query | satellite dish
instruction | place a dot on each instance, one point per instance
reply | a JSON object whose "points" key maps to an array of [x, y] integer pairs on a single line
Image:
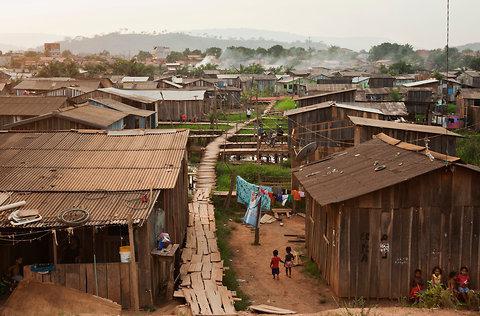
{"points": [[307, 150]]}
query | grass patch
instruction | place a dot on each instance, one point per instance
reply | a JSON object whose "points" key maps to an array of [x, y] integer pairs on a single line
{"points": [[273, 122], [250, 172], [244, 131], [311, 269], [468, 148], [285, 104], [224, 232], [235, 117], [202, 127], [194, 157]]}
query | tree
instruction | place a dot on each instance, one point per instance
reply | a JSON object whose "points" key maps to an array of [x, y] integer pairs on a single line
{"points": [[468, 148], [174, 57], [391, 51], [472, 62], [401, 67], [276, 50], [67, 54], [214, 51], [132, 68], [58, 69], [143, 56]]}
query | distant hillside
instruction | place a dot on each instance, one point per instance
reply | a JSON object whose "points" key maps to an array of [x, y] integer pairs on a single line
{"points": [[130, 44], [7, 47], [23, 41], [472, 46], [354, 43]]}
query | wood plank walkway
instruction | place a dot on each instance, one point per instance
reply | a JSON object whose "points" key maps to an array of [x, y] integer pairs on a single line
{"points": [[202, 268]]}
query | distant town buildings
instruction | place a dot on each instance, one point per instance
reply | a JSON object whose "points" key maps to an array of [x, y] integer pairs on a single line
{"points": [[52, 49]]}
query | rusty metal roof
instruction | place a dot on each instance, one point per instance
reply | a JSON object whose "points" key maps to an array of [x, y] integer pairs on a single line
{"points": [[30, 106], [351, 173], [326, 94], [470, 93], [85, 161], [105, 208], [327, 104], [387, 108], [402, 126], [122, 107]]}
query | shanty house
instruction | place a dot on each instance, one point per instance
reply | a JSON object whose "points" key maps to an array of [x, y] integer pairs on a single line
{"points": [[380, 81], [83, 116], [62, 86], [468, 101], [15, 109], [87, 186], [325, 128], [136, 118], [338, 96], [380, 210], [470, 78]]}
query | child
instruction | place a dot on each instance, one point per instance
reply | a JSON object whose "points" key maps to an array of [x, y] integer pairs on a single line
{"points": [[463, 281], [452, 284], [289, 262], [436, 276], [275, 265], [416, 285]]}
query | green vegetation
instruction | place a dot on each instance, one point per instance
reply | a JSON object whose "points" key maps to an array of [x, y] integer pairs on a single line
{"points": [[250, 172], [234, 117], [132, 68], [58, 69], [272, 122], [438, 297], [311, 269], [244, 131], [285, 104], [451, 108], [193, 126], [468, 148], [224, 231], [393, 51]]}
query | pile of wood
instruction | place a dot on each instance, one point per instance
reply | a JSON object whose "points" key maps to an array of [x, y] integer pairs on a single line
{"points": [[202, 268]]}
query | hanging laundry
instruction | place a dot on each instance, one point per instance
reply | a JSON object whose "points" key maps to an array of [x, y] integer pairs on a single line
{"points": [[272, 197], [245, 189], [250, 217], [289, 198], [302, 194], [284, 199], [278, 197], [277, 191], [296, 195]]}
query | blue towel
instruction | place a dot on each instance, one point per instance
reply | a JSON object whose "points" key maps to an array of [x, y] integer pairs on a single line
{"points": [[250, 217], [244, 193]]}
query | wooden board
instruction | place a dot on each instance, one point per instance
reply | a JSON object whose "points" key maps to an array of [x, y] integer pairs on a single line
{"points": [[271, 310]]}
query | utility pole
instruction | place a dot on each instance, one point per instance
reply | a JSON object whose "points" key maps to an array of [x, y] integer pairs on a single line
{"points": [[134, 301], [257, 226]]}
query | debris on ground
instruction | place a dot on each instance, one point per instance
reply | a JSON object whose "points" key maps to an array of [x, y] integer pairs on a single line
{"points": [[267, 219], [267, 309]]}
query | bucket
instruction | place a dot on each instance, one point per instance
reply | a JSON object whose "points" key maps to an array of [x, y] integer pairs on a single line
{"points": [[124, 254]]}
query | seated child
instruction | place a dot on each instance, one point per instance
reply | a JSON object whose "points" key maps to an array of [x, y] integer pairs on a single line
{"points": [[463, 281], [451, 283], [416, 285], [436, 276]]}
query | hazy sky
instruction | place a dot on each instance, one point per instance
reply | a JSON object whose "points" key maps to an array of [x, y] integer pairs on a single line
{"points": [[421, 22]]}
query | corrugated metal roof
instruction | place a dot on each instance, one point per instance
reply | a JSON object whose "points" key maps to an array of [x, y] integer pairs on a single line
{"points": [[402, 126], [150, 96], [125, 108], [49, 84], [134, 79], [29, 105], [78, 161], [326, 94], [329, 87], [324, 105], [420, 83], [470, 93], [92, 115], [352, 173], [387, 108], [105, 208], [147, 85]]}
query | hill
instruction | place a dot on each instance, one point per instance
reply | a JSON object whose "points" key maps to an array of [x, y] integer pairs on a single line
{"points": [[472, 46], [130, 44]]}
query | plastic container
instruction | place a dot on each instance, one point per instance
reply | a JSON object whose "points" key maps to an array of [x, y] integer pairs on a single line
{"points": [[124, 254]]}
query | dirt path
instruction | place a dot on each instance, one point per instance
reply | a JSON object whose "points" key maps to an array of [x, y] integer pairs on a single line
{"points": [[301, 293]]}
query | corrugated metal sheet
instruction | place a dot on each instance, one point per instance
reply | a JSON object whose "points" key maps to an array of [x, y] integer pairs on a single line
{"points": [[105, 208], [387, 108], [470, 93], [92, 115], [134, 79], [125, 108], [150, 96], [48, 84], [352, 173], [402, 126], [324, 105], [30, 106], [90, 160], [420, 83]]}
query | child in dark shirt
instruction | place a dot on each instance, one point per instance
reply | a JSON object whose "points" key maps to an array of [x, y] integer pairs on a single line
{"points": [[289, 262], [275, 264]]}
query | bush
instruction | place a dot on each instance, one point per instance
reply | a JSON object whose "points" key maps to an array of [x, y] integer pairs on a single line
{"points": [[285, 104], [436, 296]]}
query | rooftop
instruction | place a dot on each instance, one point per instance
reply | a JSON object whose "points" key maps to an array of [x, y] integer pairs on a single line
{"points": [[420, 83], [150, 96], [353, 106], [349, 174], [29, 105], [125, 108]]}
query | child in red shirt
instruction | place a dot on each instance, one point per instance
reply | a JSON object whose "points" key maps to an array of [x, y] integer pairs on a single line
{"points": [[275, 265], [463, 281]]}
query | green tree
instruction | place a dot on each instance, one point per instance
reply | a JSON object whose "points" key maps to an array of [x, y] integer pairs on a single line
{"points": [[468, 148], [214, 51], [132, 68], [401, 67], [143, 56], [391, 51], [58, 69], [174, 57], [276, 50]]}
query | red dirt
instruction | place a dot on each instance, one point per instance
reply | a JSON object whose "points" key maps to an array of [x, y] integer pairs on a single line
{"points": [[34, 298], [300, 293]]}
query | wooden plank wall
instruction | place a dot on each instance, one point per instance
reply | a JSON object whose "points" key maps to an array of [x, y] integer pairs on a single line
{"points": [[428, 221], [171, 110], [113, 279], [52, 124]]}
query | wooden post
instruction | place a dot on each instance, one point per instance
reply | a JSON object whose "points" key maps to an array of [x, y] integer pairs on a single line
{"points": [[230, 190], [54, 245], [134, 301], [257, 227]]}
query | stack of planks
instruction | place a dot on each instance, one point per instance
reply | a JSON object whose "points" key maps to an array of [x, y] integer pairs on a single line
{"points": [[202, 267]]}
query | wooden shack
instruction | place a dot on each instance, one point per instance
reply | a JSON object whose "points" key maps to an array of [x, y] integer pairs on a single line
{"points": [[14, 109], [328, 126], [380, 210], [468, 101], [470, 78], [347, 95], [107, 178], [380, 81], [84, 116], [437, 138]]}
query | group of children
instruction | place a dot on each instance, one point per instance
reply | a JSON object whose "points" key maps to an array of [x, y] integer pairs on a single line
{"points": [[457, 283], [287, 262]]}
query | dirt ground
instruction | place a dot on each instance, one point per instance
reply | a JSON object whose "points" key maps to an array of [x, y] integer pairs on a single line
{"points": [[301, 293]]}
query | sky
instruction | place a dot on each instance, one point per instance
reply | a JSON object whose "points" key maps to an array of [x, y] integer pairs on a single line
{"points": [[420, 22]]}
